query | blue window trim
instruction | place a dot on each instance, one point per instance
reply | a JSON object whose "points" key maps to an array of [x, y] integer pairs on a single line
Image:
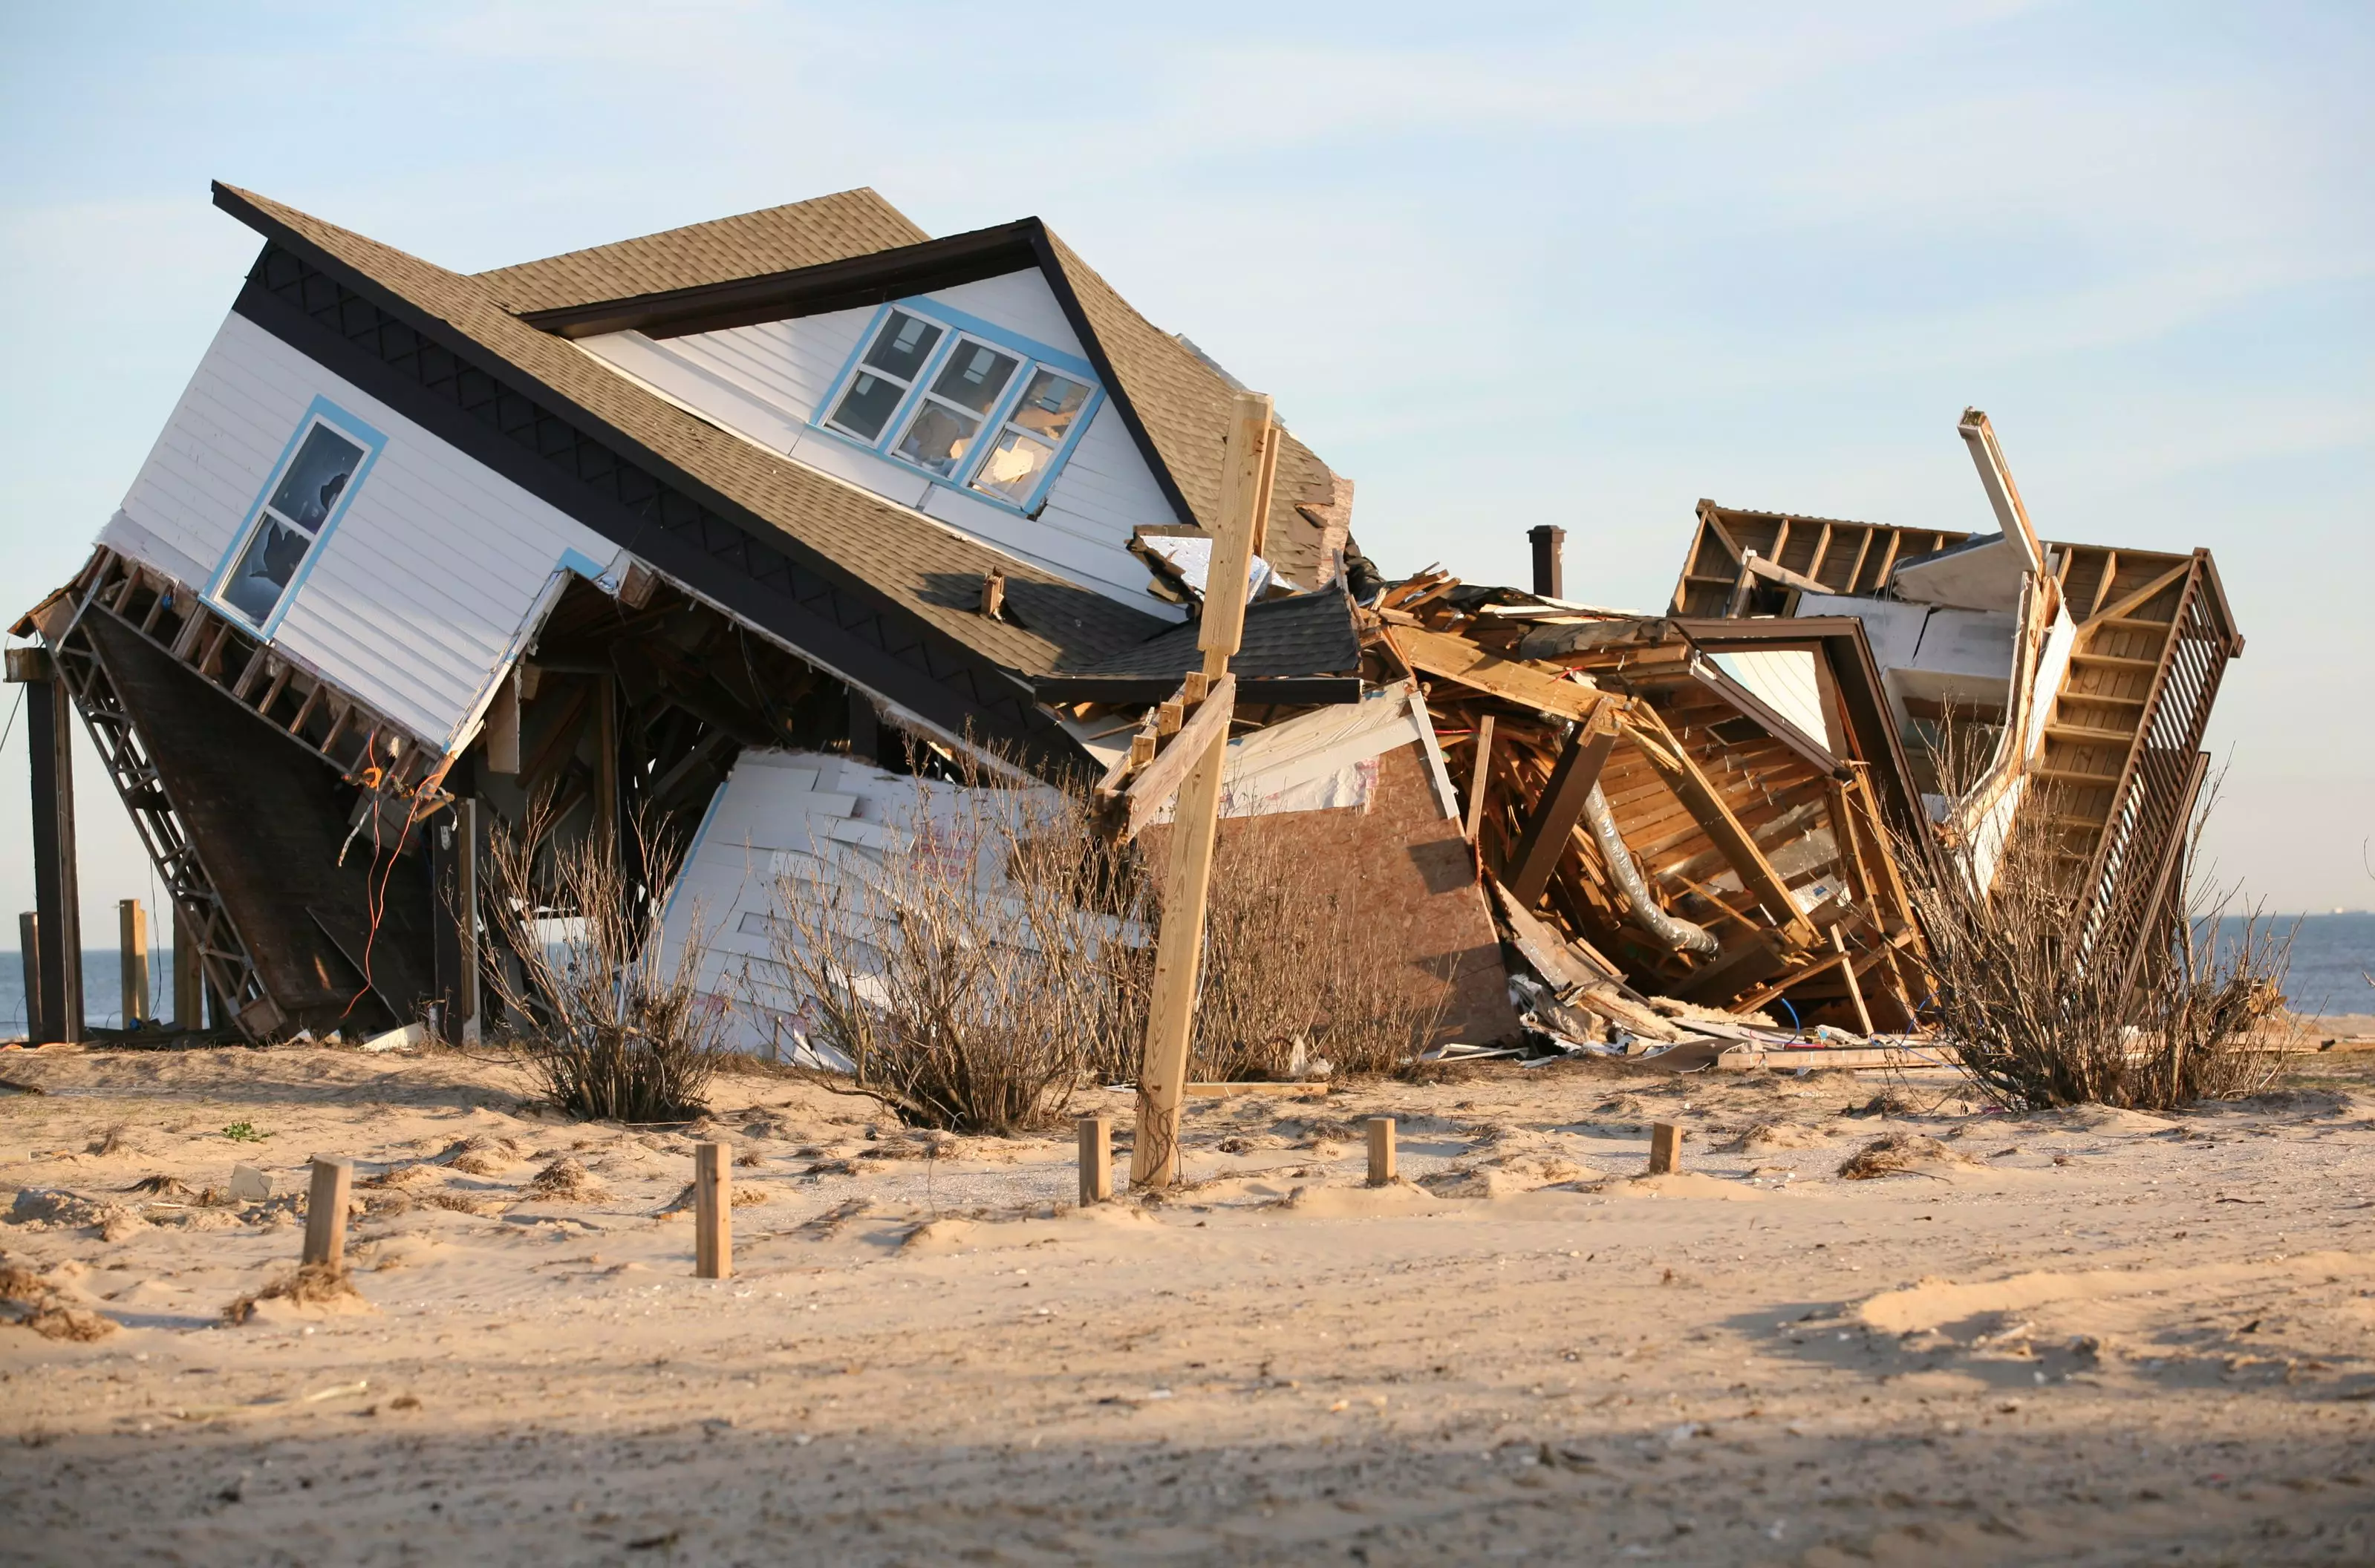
{"points": [[320, 411], [955, 322]]}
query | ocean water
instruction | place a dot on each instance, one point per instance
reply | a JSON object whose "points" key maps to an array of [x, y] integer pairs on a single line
{"points": [[2332, 956]]}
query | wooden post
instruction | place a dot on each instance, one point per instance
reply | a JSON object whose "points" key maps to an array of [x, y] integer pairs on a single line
{"points": [[326, 1213], [132, 954], [1855, 987], [454, 920], [712, 1209], [189, 977], [1381, 1151], [1178, 953], [606, 764], [1096, 1160], [28, 944], [1665, 1148], [1479, 778], [56, 893]]}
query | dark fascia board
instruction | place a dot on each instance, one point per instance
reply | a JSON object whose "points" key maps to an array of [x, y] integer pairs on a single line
{"points": [[1054, 748], [878, 279], [868, 279], [1284, 691], [1841, 641]]}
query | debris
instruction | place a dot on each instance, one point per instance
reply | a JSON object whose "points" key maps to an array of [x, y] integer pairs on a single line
{"points": [[1907, 1152], [566, 1180], [411, 1037], [249, 1184], [315, 1285]]}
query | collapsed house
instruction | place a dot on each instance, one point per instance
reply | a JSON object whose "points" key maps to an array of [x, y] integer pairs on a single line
{"points": [[710, 540], [713, 531]]}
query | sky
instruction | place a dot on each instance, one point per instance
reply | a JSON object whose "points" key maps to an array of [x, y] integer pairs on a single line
{"points": [[1500, 265]]}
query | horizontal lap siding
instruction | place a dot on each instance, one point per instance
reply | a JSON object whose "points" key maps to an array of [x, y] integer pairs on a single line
{"points": [[429, 575]]}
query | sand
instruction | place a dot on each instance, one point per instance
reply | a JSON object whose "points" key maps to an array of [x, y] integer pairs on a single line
{"points": [[2089, 1337]]}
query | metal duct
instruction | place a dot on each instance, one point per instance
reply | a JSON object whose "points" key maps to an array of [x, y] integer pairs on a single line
{"points": [[1679, 934]]}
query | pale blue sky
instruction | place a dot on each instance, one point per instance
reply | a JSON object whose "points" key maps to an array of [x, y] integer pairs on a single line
{"points": [[1500, 265]]}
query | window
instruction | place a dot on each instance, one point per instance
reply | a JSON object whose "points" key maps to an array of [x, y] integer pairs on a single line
{"points": [[304, 498], [975, 407]]}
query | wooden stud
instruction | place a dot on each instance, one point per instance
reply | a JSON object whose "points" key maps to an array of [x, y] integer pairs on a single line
{"points": [[503, 728], [1665, 1148], [1204, 736], [1855, 990], [326, 1213], [712, 1208], [1459, 659], [1381, 1151], [131, 953], [1096, 1160], [993, 595], [1179, 955], [1480, 777]]}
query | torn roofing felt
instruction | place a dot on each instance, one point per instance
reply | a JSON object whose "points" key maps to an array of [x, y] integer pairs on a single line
{"points": [[1302, 649], [881, 596], [707, 277]]}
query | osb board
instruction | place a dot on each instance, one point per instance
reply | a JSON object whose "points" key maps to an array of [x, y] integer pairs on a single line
{"points": [[1408, 874]]}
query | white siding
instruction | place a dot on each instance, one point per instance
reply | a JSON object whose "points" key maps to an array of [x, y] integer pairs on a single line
{"points": [[767, 383], [415, 600]]}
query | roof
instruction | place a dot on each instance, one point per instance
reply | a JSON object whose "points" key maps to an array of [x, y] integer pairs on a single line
{"points": [[772, 240], [926, 570], [1287, 640]]}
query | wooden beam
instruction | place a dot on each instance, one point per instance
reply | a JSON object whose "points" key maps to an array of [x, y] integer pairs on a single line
{"points": [[57, 891], [1161, 779], [1179, 955], [132, 957], [504, 727], [1480, 777], [2141, 597], [713, 1213], [1456, 658], [1673, 766], [1556, 811], [1855, 991]]}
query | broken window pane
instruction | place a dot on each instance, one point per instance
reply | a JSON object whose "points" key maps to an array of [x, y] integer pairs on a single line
{"points": [[974, 376], [903, 345], [1014, 466], [1049, 404], [939, 439], [256, 584], [316, 477], [868, 407]]}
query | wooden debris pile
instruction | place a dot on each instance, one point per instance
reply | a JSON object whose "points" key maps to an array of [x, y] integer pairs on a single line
{"points": [[1673, 822]]}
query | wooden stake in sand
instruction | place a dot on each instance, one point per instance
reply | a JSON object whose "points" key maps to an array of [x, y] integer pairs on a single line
{"points": [[326, 1213], [1096, 1160], [132, 952], [1665, 1148], [1246, 470], [713, 1211], [1381, 1151]]}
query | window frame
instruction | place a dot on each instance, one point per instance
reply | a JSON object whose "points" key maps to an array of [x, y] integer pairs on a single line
{"points": [[957, 327], [320, 414]]}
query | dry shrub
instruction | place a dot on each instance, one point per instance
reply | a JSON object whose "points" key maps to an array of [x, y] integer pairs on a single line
{"points": [[1297, 980], [458, 1203], [163, 1186], [54, 1320], [2042, 1012], [612, 1031], [484, 1156], [965, 970], [1760, 1135], [1898, 1151], [312, 1284], [566, 1180]]}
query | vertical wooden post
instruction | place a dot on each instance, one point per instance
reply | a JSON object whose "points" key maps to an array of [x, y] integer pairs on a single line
{"points": [[1381, 1151], [1178, 953], [189, 977], [1478, 779], [56, 892], [1665, 1148], [712, 1209], [454, 920], [1096, 1160], [132, 957], [326, 1213], [1855, 987], [28, 944]]}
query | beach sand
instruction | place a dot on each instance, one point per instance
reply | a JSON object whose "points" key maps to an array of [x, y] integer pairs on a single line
{"points": [[2085, 1337]]}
